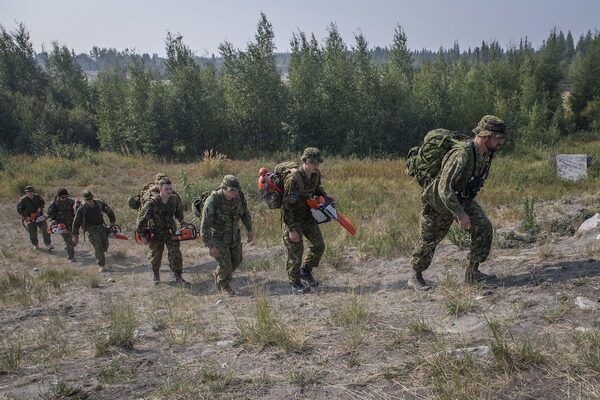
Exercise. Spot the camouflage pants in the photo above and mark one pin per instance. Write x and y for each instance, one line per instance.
(229, 259)
(69, 247)
(435, 226)
(32, 229)
(99, 241)
(316, 248)
(156, 248)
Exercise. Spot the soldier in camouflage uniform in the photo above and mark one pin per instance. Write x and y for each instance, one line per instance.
(61, 211)
(221, 214)
(30, 204)
(89, 216)
(156, 226)
(450, 196)
(297, 220)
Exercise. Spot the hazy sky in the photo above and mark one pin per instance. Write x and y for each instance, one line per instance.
(142, 25)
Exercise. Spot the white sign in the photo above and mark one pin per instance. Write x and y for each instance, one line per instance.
(571, 166)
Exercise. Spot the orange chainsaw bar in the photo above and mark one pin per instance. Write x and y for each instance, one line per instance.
(338, 217)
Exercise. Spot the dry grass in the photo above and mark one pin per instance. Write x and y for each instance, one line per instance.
(27, 288)
(193, 344)
(121, 329)
(265, 328)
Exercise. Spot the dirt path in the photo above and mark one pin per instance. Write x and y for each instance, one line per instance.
(361, 335)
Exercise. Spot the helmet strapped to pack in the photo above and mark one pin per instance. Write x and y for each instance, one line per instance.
(271, 185)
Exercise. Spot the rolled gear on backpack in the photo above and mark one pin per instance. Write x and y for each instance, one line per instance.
(198, 203)
(424, 162)
(134, 202)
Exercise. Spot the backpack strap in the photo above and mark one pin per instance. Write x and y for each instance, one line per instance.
(299, 179)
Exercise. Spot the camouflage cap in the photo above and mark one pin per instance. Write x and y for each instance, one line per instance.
(491, 125)
(87, 194)
(312, 155)
(28, 189)
(160, 176)
(230, 182)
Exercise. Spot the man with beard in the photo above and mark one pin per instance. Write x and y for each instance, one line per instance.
(451, 196)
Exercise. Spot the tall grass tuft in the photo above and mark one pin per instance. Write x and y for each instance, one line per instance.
(353, 313)
(11, 356)
(266, 329)
(121, 329)
(587, 345)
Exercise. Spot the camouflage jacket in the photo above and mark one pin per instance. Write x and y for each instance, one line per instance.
(296, 190)
(220, 219)
(159, 217)
(27, 206)
(62, 212)
(86, 215)
(450, 189)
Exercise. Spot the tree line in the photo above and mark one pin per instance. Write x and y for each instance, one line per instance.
(345, 99)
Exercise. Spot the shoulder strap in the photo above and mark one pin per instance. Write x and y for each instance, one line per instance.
(299, 178)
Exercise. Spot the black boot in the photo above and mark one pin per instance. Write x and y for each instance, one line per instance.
(156, 278)
(306, 276)
(473, 275)
(180, 281)
(299, 288)
(417, 282)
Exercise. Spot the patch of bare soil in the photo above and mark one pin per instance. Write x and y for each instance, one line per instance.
(362, 334)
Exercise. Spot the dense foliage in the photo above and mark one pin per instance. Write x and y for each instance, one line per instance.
(347, 100)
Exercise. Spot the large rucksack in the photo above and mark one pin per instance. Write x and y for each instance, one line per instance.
(136, 201)
(271, 185)
(424, 162)
(198, 203)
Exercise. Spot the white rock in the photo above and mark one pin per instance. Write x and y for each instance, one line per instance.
(36, 269)
(110, 280)
(219, 302)
(590, 223)
(586, 304)
(224, 343)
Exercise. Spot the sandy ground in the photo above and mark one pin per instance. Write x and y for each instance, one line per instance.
(189, 342)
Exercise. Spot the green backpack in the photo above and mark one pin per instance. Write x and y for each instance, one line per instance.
(423, 163)
(198, 203)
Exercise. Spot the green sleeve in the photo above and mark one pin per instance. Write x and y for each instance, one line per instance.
(108, 211)
(77, 221)
(146, 213)
(292, 205)
(208, 218)
(21, 209)
(452, 171)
